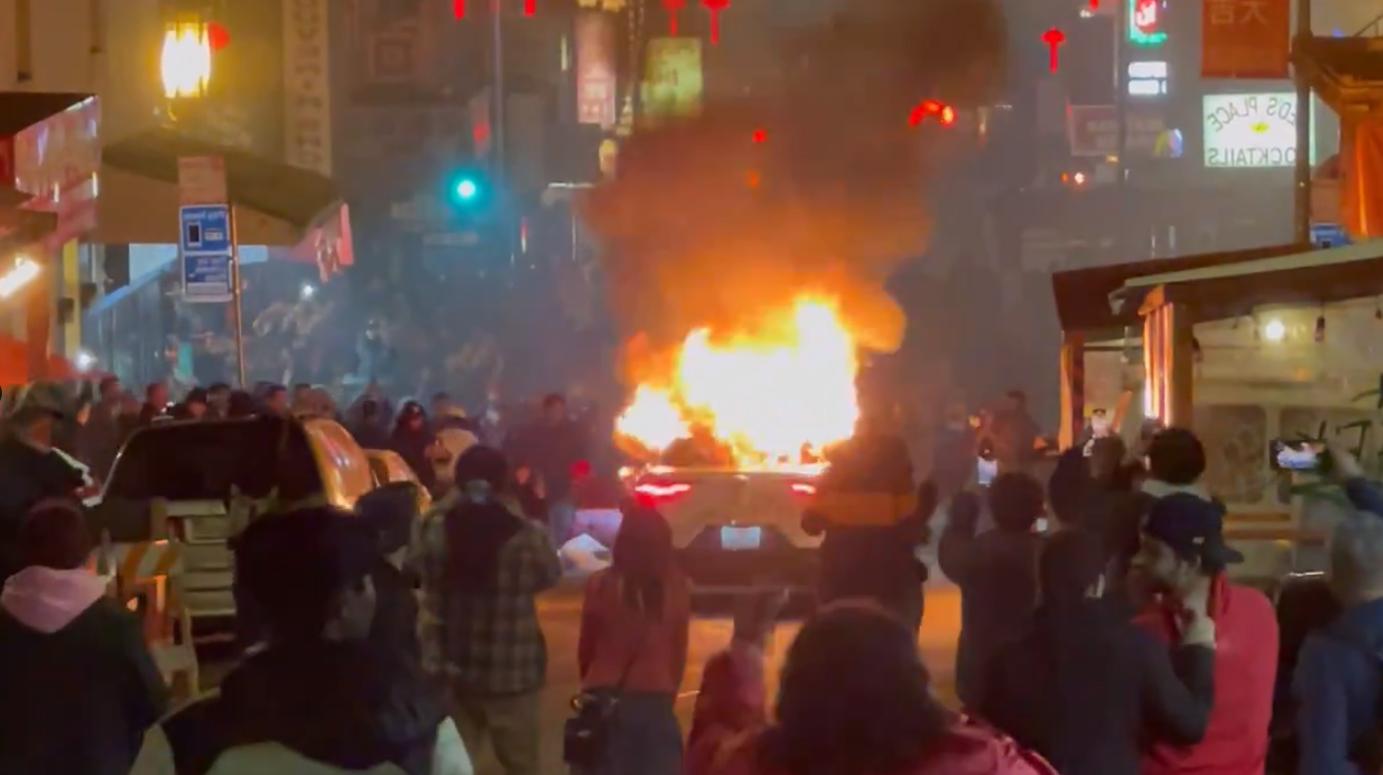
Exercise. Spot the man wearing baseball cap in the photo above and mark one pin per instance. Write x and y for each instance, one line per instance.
(1183, 556)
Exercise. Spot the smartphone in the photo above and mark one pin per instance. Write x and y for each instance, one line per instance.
(1295, 455)
(985, 470)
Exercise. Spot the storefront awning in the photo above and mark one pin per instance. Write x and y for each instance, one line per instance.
(1083, 296)
(275, 204)
(1229, 290)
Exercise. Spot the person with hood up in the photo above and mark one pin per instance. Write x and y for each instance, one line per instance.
(853, 699)
(1085, 687)
(996, 572)
(31, 468)
(413, 441)
(79, 686)
(483, 566)
(633, 645)
(1183, 559)
(876, 560)
(317, 698)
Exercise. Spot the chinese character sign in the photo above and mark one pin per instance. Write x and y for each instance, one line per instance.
(1246, 38)
(595, 69)
(1146, 27)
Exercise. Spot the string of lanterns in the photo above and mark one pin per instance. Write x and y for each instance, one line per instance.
(672, 7)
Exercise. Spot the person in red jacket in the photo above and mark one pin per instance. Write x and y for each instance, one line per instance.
(854, 699)
(1183, 556)
(633, 644)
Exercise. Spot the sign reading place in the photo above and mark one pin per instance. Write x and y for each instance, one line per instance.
(1247, 131)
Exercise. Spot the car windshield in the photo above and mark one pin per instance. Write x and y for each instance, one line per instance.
(203, 461)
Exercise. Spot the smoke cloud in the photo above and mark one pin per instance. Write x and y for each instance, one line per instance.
(819, 187)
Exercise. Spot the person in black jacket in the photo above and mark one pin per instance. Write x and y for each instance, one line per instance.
(31, 470)
(391, 511)
(1087, 688)
(318, 693)
(77, 685)
(996, 572)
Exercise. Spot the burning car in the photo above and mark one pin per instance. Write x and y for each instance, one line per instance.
(732, 438)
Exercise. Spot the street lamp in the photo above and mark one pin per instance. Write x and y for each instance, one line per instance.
(185, 63)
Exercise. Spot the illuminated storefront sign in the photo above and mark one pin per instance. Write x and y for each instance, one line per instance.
(1147, 79)
(1250, 130)
(1146, 22)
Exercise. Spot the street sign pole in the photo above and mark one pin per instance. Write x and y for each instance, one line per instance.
(236, 312)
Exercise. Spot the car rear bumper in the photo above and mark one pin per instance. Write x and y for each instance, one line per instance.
(713, 569)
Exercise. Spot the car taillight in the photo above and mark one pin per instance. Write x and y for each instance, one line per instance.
(659, 491)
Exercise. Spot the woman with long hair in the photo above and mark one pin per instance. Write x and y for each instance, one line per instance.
(854, 699)
(634, 645)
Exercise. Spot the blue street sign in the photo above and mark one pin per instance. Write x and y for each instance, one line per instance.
(204, 230)
(207, 278)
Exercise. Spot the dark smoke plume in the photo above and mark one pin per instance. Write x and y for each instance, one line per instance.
(705, 227)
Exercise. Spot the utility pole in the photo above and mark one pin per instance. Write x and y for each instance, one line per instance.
(1121, 26)
(1302, 181)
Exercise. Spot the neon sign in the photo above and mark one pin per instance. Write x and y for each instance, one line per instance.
(1146, 25)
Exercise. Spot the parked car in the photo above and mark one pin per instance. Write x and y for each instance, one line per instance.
(389, 468)
(207, 479)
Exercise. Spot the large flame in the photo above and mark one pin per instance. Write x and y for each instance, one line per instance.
(769, 392)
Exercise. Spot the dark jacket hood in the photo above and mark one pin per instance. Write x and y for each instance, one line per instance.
(344, 705)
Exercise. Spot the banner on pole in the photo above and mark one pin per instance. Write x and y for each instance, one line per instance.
(1246, 38)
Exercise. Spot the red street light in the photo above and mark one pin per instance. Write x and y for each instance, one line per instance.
(1054, 37)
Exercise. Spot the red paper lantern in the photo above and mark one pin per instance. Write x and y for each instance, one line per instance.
(217, 36)
(1054, 38)
(715, 7)
(673, 7)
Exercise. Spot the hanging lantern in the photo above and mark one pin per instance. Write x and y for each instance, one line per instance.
(218, 37)
(715, 7)
(673, 7)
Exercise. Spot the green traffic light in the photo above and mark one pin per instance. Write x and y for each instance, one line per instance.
(467, 190)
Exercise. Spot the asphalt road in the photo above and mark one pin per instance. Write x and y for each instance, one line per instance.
(560, 612)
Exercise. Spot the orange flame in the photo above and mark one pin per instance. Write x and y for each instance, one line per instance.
(768, 393)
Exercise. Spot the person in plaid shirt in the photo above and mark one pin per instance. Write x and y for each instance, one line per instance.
(483, 565)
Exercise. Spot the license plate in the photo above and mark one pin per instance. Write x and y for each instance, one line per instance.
(739, 539)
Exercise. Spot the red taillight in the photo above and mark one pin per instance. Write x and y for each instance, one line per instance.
(662, 490)
(805, 489)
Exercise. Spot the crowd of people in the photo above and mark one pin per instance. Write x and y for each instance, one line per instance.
(1112, 642)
